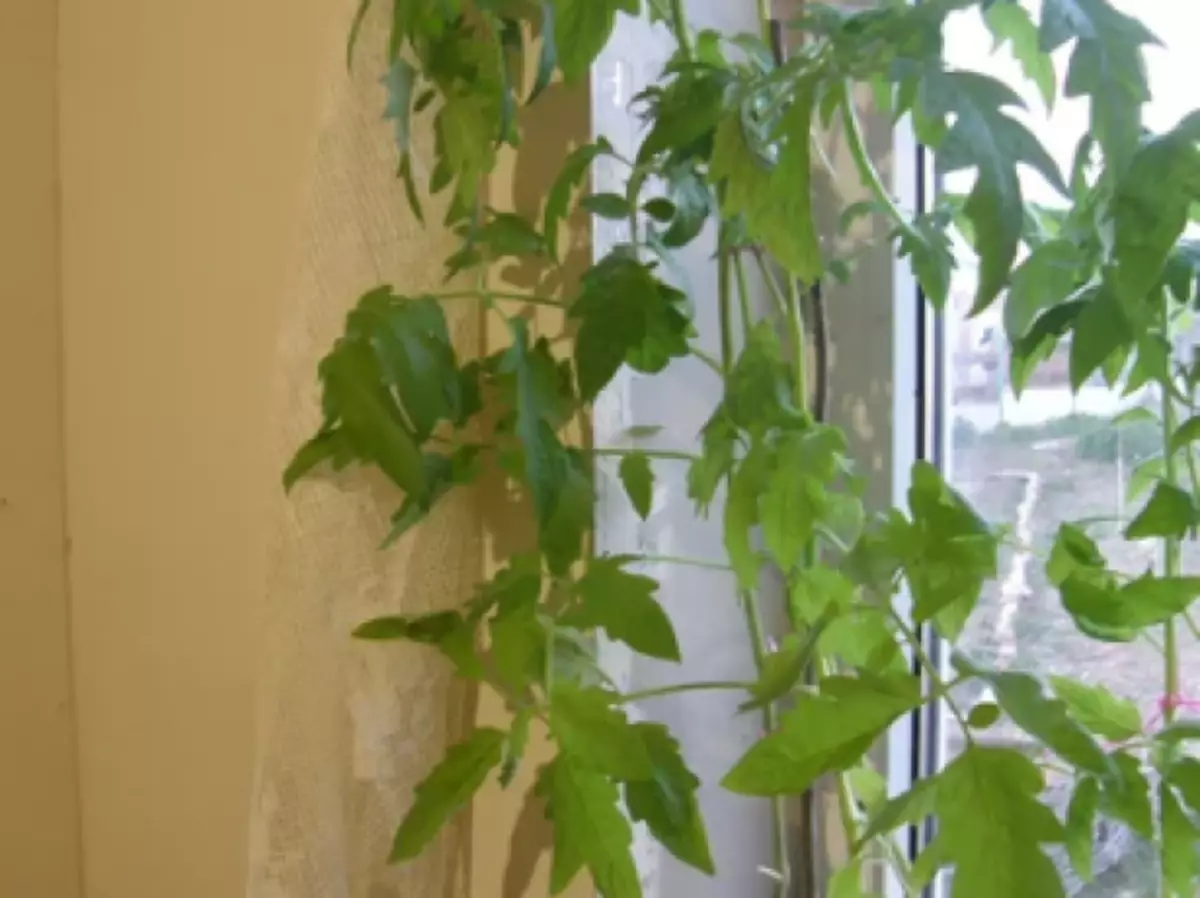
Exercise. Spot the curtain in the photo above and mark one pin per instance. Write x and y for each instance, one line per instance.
(346, 729)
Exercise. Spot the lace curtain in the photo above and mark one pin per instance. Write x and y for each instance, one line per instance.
(346, 729)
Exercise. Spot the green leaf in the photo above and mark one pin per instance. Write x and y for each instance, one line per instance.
(548, 56)
(546, 460)
(627, 315)
(558, 200)
(1074, 553)
(948, 551)
(741, 515)
(758, 393)
(624, 606)
(693, 204)
(783, 669)
(591, 731)
(1106, 65)
(1144, 476)
(1100, 331)
(1081, 826)
(823, 733)
(1011, 23)
(442, 474)
(518, 647)
(926, 241)
(992, 826)
(718, 441)
(1045, 718)
(666, 802)
(447, 631)
(327, 446)
(562, 538)
(1187, 433)
(1181, 731)
(684, 111)
(515, 745)
(1108, 613)
(983, 716)
(1103, 713)
(581, 30)
(1039, 343)
(400, 80)
(445, 791)
(1127, 796)
(1170, 513)
(985, 137)
(1150, 211)
(796, 499)
(776, 200)
(589, 828)
(638, 478)
(1184, 775)
(911, 808)
(608, 205)
(847, 882)
(815, 589)
(1179, 838)
(355, 394)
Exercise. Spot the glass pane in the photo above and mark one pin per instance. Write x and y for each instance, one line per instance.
(1030, 463)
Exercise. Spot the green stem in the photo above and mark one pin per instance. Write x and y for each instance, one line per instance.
(680, 688)
(743, 291)
(754, 624)
(772, 284)
(866, 169)
(708, 360)
(664, 454)
(685, 562)
(1171, 568)
(940, 686)
(681, 29)
(799, 343)
(487, 295)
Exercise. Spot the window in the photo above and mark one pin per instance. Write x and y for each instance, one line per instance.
(1028, 463)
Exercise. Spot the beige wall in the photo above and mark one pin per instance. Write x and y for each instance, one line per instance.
(38, 820)
(187, 128)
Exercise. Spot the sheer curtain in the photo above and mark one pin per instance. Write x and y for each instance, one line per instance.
(346, 729)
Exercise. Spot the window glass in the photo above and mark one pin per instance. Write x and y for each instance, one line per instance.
(1030, 463)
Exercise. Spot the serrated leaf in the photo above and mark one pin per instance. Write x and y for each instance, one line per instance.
(746, 484)
(992, 826)
(627, 315)
(581, 29)
(948, 551)
(546, 460)
(638, 479)
(1108, 613)
(1094, 706)
(1040, 342)
(595, 734)
(515, 745)
(1081, 825)
(985, 137)
(1150, 210)
(1011, 23)
(1184, 775)
(1106, 65)
(355, 395)
(814, 589)
(1169, 514)
(1126, 797)
(1144, 476)
(796, 500)
(667, 803)
(776, 200)
(1074, 553)
(445, 791)
(910, 808)
(589, 828)
(624, 606)
(825, 732)
(442, 474)
(447, 631)
(705, 474)
(518, 647)
(1026, 702)
(693, 202)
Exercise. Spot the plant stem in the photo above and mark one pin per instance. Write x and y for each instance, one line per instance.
(685, 562)
(764, 21)
(1170, 564)
(681, 29)
(941, 687)
(799, 343)
(664, 454)
(754, 624)
(680, 688)
(708, 360)
(743, 283)
(866, 169)
(487, 295)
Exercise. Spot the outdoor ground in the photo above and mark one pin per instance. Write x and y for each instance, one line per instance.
(1030, 479)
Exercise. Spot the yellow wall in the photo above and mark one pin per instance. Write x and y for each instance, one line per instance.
(38, 810)
(187, 129)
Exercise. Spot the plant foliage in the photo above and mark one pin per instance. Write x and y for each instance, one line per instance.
(729, 140)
